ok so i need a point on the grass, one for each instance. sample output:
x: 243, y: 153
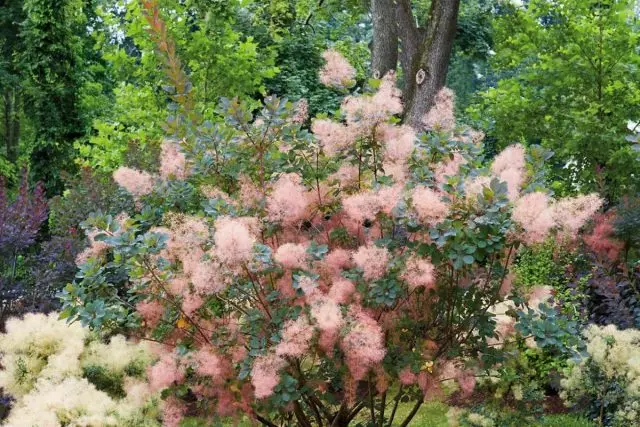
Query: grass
x: 564, y: 420
x: 434, y: 414
x: 431, y: 414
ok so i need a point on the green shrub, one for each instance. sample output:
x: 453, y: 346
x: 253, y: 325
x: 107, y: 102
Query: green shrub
x: 544, y: 264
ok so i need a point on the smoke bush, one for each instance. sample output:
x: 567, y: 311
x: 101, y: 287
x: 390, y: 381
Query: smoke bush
x: 320, y: 269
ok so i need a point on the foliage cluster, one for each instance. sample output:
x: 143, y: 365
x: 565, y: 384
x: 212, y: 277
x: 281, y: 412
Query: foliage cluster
x: 568, y: 74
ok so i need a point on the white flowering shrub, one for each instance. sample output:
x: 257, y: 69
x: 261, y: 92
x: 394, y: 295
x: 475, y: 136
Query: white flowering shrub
x: 62, y: 375
x: 39, y: 347
x: 459, y: 417
x: 609, y: 378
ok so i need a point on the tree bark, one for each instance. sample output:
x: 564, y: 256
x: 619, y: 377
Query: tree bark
x: 12, y: 148
x: 7, y: 118
x: 384, y: 53
x: 410, y: 35
x: 11, y: 124
x: 428, y: 71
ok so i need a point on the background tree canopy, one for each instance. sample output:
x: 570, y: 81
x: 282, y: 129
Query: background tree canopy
x: 567, y: 76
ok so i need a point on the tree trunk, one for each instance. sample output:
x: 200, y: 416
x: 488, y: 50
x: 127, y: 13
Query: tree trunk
x: 7, y: 117
x: 429, y: 68
x: 14, y: 134
x: 411, y: 37
x: 11, y: 124
x: 384, y: 53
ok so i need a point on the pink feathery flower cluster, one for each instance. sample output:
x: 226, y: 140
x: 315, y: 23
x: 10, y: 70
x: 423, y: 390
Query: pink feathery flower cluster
x: 347, y: 176
x: 363, y: 344
x: 211, y: 192
x: 538, y: 216
x: 186, y: 233
x: 366, y: 205
x: 207, y: 363
x: 173, y: 411
x: 96, y: 249
x: 166, y: 372
x: 178, y: 285
x: 296, y: 338
x: 419, y: 273
x: 191, y: 302
x: 475, y: 186
x: 288, y: 202
x: 367, y: 115
x: 292, y: 255
x: 509, y: 166
x: 467, y: 382
x: 429, y: 205
x: 364, y: 112
x: 173, y: 163
x: 151, y: 311
x: 250, y: 194
x: 341, y: 290
x: 441, y: 116
x: 540, y: 295
x: 265, y: 374
x: 334, y: 137
x: 399, y: 142
x: 327, y: 314
x: 388, y: 197
x: 448, y: 168
x: 362, y: 206
x: 372, y: 260
x: 337, y: 72
x: 535, y: 215
x: 571, y: 213
x: 138, y: 183
x: 206, y: 277
x: 407, y: 377
x: 309, y: 287
x: 399, y: 171
x: 233, y: 241
x: 511, y: 157
x: 336, y: 261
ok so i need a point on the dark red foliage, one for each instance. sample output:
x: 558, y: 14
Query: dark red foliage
x: 609, y: 296
x: 21, y: 219
x: 602, y: 241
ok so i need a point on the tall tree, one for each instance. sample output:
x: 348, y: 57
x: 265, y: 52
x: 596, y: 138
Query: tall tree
x: 11, y: 15
x: 424, y: 52
x: 50, y: 61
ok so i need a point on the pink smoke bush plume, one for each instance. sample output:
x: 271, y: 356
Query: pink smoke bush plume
x: 441, y: 116
x: 136, y: 182
x: 337, y: 72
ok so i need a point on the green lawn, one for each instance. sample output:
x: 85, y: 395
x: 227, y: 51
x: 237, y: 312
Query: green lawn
x: 431, y: 414
x: 434, y: 414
